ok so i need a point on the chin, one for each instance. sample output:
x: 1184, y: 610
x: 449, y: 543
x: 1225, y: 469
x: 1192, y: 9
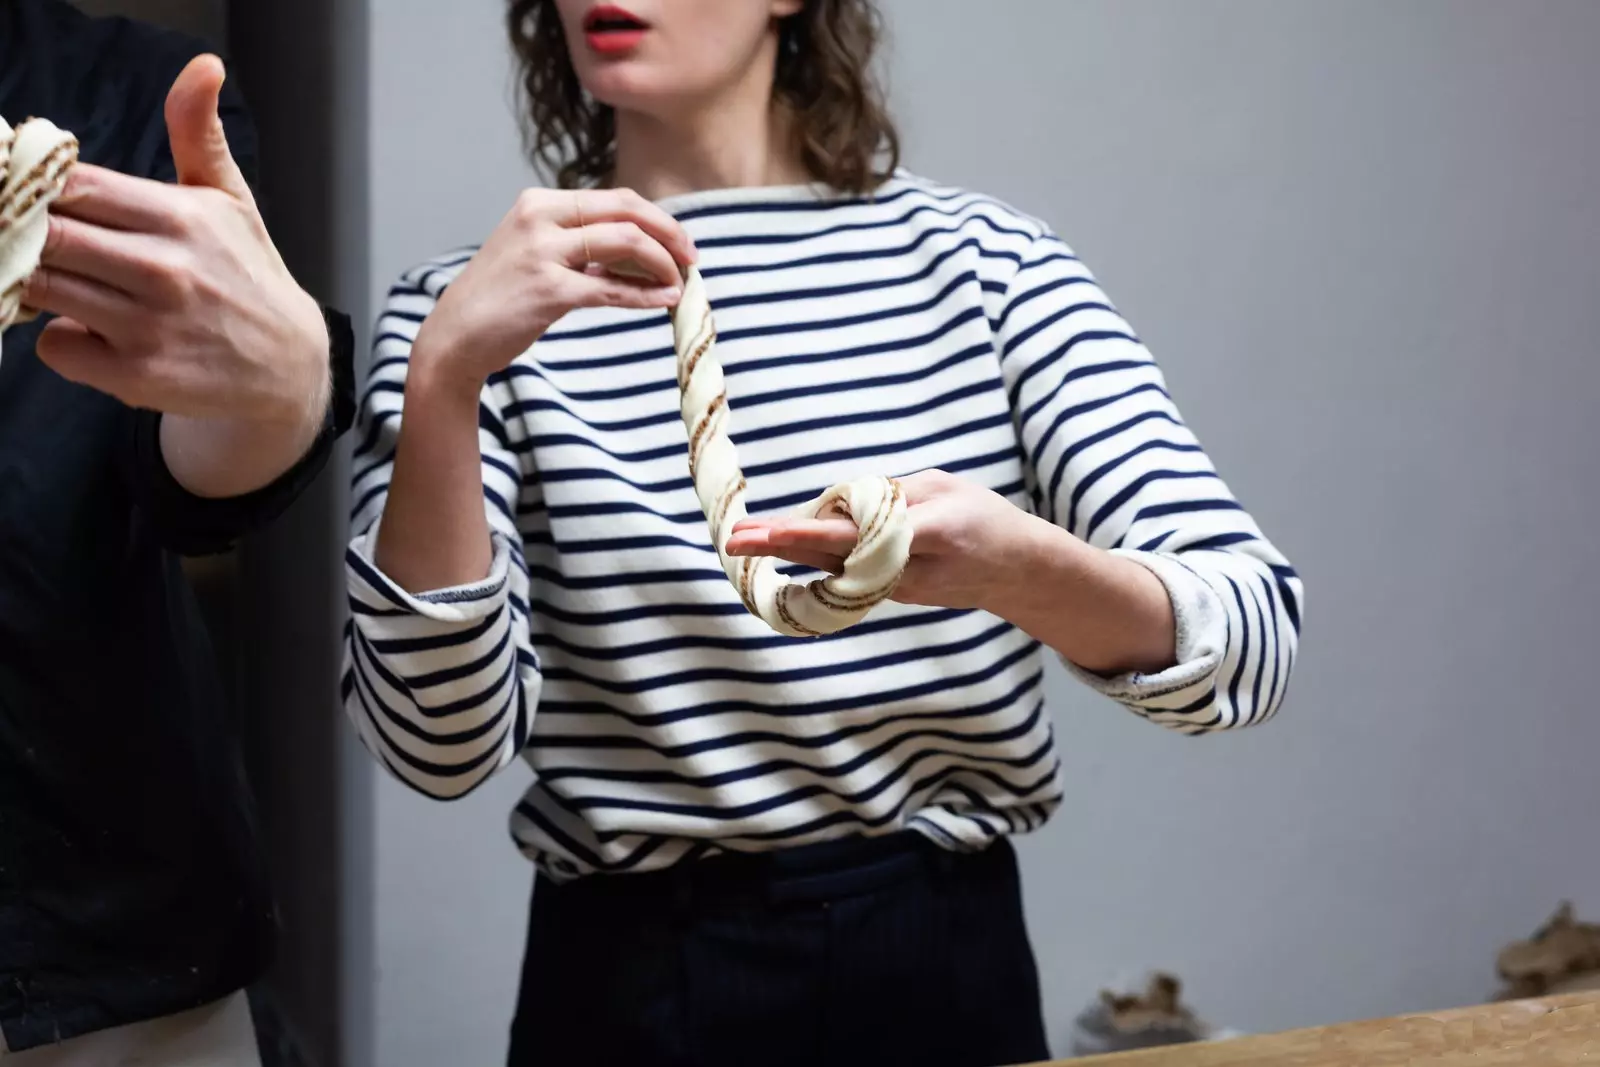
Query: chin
x: 631, y: 90
x: 639, y: 86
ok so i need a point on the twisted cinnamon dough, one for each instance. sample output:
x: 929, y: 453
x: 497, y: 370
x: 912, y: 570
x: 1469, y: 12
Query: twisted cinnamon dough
x: 35, y: 159
x: 877, y: 504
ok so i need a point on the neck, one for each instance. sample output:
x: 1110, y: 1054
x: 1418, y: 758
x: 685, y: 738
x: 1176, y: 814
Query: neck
x: 740, y: 138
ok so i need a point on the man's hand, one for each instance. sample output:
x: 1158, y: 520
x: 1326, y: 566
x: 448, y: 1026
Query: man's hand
x: 174, y: 299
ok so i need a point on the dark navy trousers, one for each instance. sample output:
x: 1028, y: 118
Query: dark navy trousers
x: 864, y: 951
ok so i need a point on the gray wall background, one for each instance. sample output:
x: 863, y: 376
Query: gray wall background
x: 1357, y: 234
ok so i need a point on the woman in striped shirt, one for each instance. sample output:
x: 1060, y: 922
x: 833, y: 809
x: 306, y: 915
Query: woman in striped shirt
x: 753, y: 848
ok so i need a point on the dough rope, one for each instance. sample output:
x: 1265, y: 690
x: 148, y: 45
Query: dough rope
x: 35, y: 160
x: 876, y: 504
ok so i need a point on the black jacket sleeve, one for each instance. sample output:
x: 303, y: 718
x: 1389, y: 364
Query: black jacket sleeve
x: 196, y: 526
x: 185, y: 523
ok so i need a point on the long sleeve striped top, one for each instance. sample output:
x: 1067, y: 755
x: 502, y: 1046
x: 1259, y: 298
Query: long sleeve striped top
x: 922, y: 327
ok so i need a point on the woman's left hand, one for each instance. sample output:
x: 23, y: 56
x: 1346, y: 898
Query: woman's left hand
x: 972, y: 548
x: 966, y: 549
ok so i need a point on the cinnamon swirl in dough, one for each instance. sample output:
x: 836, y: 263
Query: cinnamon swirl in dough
x: 35, y: 160
x: 877, y: 504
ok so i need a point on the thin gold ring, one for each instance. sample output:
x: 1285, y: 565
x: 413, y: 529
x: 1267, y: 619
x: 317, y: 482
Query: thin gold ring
x: 583, y: 229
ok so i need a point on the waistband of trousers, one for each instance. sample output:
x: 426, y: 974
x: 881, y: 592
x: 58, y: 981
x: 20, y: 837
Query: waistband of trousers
x: 806, y: 874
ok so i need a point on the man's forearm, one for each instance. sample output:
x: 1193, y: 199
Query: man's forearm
x: 219, y: 458
x: 1102, y: 612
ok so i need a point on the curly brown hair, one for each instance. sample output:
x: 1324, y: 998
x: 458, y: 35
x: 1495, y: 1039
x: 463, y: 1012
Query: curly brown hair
x: 847, y: 139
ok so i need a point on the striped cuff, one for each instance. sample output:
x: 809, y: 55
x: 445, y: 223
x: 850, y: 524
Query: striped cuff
x: 372, y: 589
x: 1201, y: 630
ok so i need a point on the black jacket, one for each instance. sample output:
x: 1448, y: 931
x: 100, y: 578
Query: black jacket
x: 131, y: 877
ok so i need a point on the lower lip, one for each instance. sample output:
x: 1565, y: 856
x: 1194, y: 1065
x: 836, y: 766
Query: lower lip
x: 615, y: 42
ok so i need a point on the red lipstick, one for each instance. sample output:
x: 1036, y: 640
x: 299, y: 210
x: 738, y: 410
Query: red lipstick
x: 613, y: 31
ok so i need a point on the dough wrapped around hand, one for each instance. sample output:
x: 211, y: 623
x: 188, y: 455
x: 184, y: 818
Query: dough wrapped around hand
x: 876, y: 504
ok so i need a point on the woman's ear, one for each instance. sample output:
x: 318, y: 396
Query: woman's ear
x: 782, y: 9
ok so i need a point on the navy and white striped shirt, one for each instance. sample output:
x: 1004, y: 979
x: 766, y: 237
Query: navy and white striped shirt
x: 925, y: 327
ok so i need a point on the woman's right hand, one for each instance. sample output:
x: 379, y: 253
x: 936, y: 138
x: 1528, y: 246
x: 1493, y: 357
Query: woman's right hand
x: 556, y: 250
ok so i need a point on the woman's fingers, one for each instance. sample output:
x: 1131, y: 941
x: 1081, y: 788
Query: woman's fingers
x: 821, y: 544
x: 625, y: 247
x: 590, y: 206
x: 817, y: 561
x: 829, y: 562
x: 599, y: 289
x: 833, y: 536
